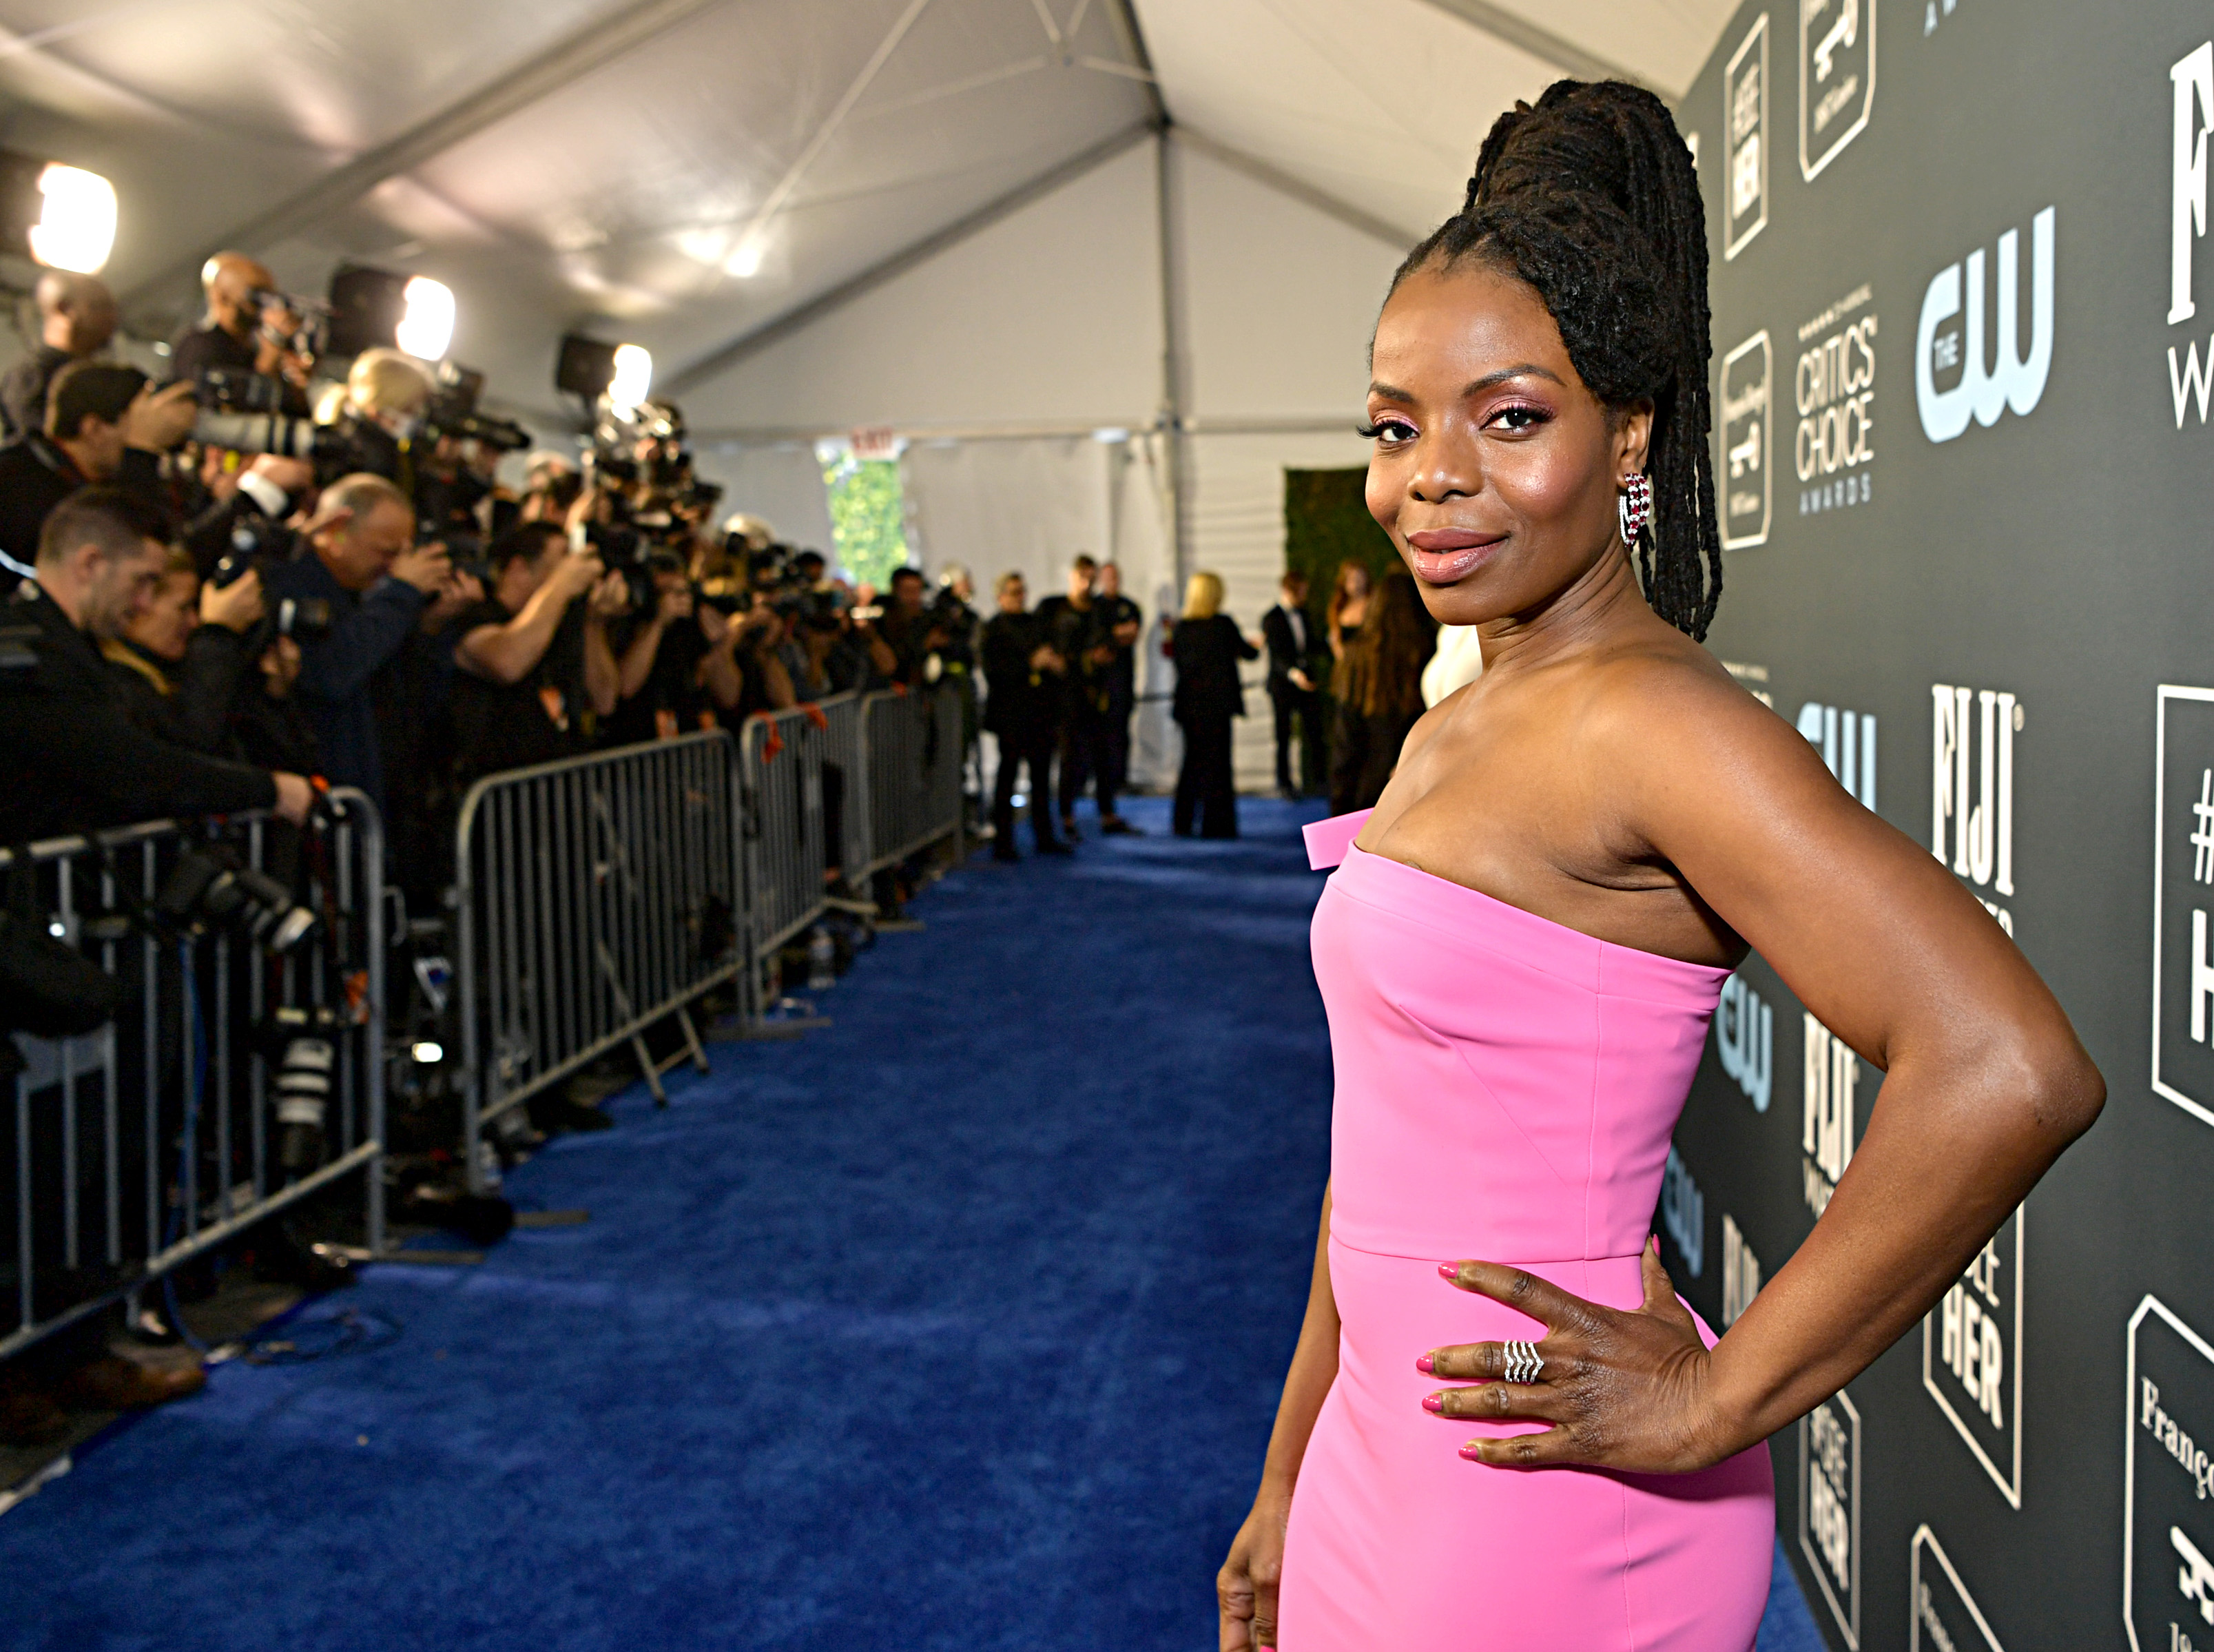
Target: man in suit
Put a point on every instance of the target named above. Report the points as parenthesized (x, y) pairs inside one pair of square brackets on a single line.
[(1292, 690), (1022, 677)]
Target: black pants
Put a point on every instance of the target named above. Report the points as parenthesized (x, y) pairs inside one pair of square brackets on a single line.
[(1030, 749), (1205, 787), (1084, 756), (1114, 744), (1305, 708)]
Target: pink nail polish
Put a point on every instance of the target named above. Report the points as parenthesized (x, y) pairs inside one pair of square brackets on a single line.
[(1434, 1403), (1450, 1270), (1426, 1365), (1471, 1454)]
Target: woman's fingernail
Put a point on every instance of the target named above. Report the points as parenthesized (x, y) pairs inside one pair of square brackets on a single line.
[(1450, 1270), (1426, 1365), (1471, 1453), (1435, 1403)]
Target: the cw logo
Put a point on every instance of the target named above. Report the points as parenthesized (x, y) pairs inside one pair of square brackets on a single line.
[(1984, 392)]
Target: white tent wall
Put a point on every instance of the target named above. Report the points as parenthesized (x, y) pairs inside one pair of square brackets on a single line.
[(781, 483), (1001, 356)]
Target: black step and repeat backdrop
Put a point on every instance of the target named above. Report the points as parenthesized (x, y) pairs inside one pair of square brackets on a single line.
[(1964, 358)]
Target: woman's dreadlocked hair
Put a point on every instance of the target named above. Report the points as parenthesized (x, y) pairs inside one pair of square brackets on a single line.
[(1590, 198)]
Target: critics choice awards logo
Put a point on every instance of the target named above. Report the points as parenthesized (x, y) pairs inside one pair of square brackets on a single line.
[(1961, 371), (1942, 1615), (1837, 77), (1830, 1507), (1745, 432), (2167, 1479), (2183, 893), (1744, 130), (1833, 387)]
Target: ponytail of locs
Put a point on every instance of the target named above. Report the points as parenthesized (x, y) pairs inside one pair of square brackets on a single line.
[(1590, 197)]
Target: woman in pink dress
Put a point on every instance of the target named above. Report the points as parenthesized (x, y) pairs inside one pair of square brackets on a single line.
[(1501, 1428)]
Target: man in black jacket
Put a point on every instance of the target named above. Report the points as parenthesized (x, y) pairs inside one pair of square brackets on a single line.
[(103, 424), (76, 319), (1022, 675), (74, 759), (1293, 661)]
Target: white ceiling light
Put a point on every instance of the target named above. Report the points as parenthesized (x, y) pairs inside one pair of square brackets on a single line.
[(745, 259), (77, 230), (633, 378), (427, 327)]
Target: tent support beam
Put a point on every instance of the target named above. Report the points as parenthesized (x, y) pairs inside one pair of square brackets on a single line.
[(726, 355), (1306, 194), (1518, 31), (539, 77)]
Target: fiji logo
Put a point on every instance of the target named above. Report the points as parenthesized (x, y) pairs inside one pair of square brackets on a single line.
[(1989, 382)]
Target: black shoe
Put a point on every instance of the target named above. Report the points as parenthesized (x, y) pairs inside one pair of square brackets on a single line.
[(282, 1257), (1054, 845)]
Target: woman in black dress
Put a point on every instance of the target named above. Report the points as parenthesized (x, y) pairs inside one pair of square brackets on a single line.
[(1379, 692), (1206, 645)]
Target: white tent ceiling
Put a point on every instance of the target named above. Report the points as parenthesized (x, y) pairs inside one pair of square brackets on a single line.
[(624, 164)]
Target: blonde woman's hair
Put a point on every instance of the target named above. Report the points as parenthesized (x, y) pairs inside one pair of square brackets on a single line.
[(1203, 596), (384, 380)]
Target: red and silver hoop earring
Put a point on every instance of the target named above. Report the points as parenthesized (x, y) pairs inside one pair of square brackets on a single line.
[(1634, 507)]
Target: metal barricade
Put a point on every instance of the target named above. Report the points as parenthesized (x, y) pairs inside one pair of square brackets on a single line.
[(915, 755), (845, 789), (781, 778), (137, 1148), (594, 898)]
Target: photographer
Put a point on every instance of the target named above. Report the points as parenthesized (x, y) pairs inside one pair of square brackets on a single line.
[(909, 629), (385, 393), (75, 759), (248, 327), (531, 659), (104, 424), (1022, 672), (372, 587), (76, 319), (686, 665), (182, 660), (243, 511)]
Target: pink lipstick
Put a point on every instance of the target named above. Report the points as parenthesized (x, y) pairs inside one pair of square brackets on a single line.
[(1443, 556)]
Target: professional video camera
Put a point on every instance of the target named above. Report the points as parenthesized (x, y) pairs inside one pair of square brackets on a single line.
[(307, 618), (453, 412)]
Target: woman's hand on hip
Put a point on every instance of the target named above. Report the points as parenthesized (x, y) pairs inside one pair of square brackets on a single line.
[(1245, 1588), (1623, 1391)]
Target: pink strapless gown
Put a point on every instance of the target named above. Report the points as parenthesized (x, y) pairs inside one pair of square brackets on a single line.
[(1506, 1090)]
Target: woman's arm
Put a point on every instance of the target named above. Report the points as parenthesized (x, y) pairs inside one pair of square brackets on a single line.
[(1986, 1085), (1245, 1588)]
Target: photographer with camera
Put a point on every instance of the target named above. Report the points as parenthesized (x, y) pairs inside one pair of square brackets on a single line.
[(249, 327), (534, 655), (76, 758), (688, 663), (104, 424), (76, 318), (361, 594), (910, 629), (180, 662)]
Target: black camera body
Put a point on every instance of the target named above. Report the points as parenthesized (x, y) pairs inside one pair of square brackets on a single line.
[(238, 390), (304, 619)]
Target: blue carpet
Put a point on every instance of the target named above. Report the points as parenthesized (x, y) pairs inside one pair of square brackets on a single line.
[(958, 1324)]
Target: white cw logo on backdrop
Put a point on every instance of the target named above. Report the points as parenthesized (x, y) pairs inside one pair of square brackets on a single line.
[(1991, 381), (1746, 433), (1684, 1213), (1745, 1040), (1939, 1604), (2168, 1485), (1837, 78), (1830, 1507), (1745, 140)]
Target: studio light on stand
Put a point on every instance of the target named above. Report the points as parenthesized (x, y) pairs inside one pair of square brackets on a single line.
[(426, 325), (62, 216), (633, 378)]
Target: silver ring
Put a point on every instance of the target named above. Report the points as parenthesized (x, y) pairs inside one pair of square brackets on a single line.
[(1523, 1361)]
